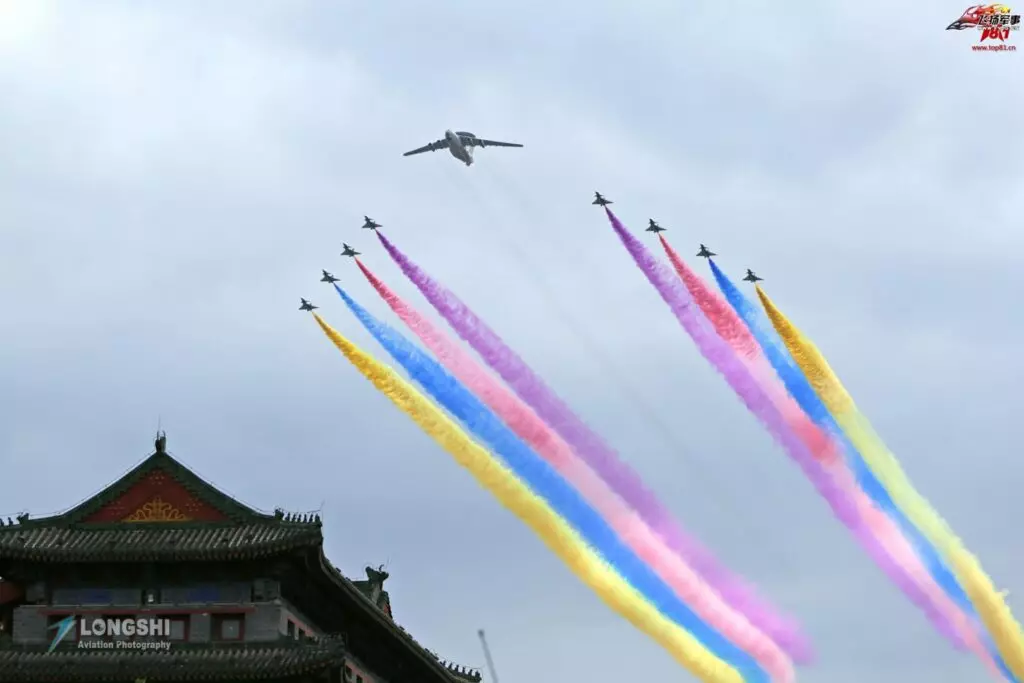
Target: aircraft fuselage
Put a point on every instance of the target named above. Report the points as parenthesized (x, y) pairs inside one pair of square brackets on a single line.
[(458, 150)]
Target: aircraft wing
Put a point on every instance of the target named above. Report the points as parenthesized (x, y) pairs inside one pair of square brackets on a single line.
[(432, 147), (478, 142)]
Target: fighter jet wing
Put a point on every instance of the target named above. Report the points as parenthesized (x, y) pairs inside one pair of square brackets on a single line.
[(480, 142), (432, 147)]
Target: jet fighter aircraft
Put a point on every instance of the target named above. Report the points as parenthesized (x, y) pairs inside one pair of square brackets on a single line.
[(370, 224), (654, 227), (705, 252), (349, 251), (751, 277), (460, 144), (306, 306), (601, 201), (328, 278)]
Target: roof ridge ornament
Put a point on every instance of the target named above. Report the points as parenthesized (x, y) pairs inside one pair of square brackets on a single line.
[(161, 442)]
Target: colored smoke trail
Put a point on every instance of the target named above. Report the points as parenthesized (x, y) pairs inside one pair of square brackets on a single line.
[(737, 322), (535, 513), (866, 526), (545, 482), (896, 532), (599, 456), (729, 327), (736, 334), (995, 614), (837, 401), (800, 388), (725, 317), (689, 586), (884, 466)]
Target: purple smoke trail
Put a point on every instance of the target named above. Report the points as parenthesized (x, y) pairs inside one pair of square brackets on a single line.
[(717, 352), (592, 449)]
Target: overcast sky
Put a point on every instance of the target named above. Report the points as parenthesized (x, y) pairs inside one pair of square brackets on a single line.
[(174, 175)]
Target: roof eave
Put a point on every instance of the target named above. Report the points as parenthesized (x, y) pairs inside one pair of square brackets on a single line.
[(90, 666), (443, 674)]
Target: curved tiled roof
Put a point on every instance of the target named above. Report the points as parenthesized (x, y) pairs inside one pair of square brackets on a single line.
[(222, 664), (154, 542), (444, 670), (242, 533), (235, 532)]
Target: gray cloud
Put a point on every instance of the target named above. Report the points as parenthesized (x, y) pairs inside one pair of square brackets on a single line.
[(174, 177)]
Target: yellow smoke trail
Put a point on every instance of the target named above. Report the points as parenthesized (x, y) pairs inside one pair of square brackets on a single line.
[(989, 603), (992, 609), (555, 532)]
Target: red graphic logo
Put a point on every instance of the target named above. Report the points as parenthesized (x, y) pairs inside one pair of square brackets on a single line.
[(993, 21)]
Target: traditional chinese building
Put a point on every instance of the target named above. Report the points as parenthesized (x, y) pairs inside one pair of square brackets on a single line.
[(244, 595)]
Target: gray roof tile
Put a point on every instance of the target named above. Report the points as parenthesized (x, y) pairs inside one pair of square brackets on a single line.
[(221, 664)]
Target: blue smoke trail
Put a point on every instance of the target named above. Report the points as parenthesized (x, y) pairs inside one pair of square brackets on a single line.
[(803, 393), (548, 484)]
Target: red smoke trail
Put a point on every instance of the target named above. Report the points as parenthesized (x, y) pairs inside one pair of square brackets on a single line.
[(731, 328), (716, 309)]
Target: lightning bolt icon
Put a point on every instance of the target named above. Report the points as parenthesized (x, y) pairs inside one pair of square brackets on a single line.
[(63, 627)]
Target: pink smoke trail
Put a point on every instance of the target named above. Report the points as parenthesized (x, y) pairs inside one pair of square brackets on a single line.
[(717, 352), (690, 587), (731, 328), (593, 450)]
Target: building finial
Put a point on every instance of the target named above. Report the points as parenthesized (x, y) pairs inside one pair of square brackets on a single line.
[(377, 576), (161, 443)]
